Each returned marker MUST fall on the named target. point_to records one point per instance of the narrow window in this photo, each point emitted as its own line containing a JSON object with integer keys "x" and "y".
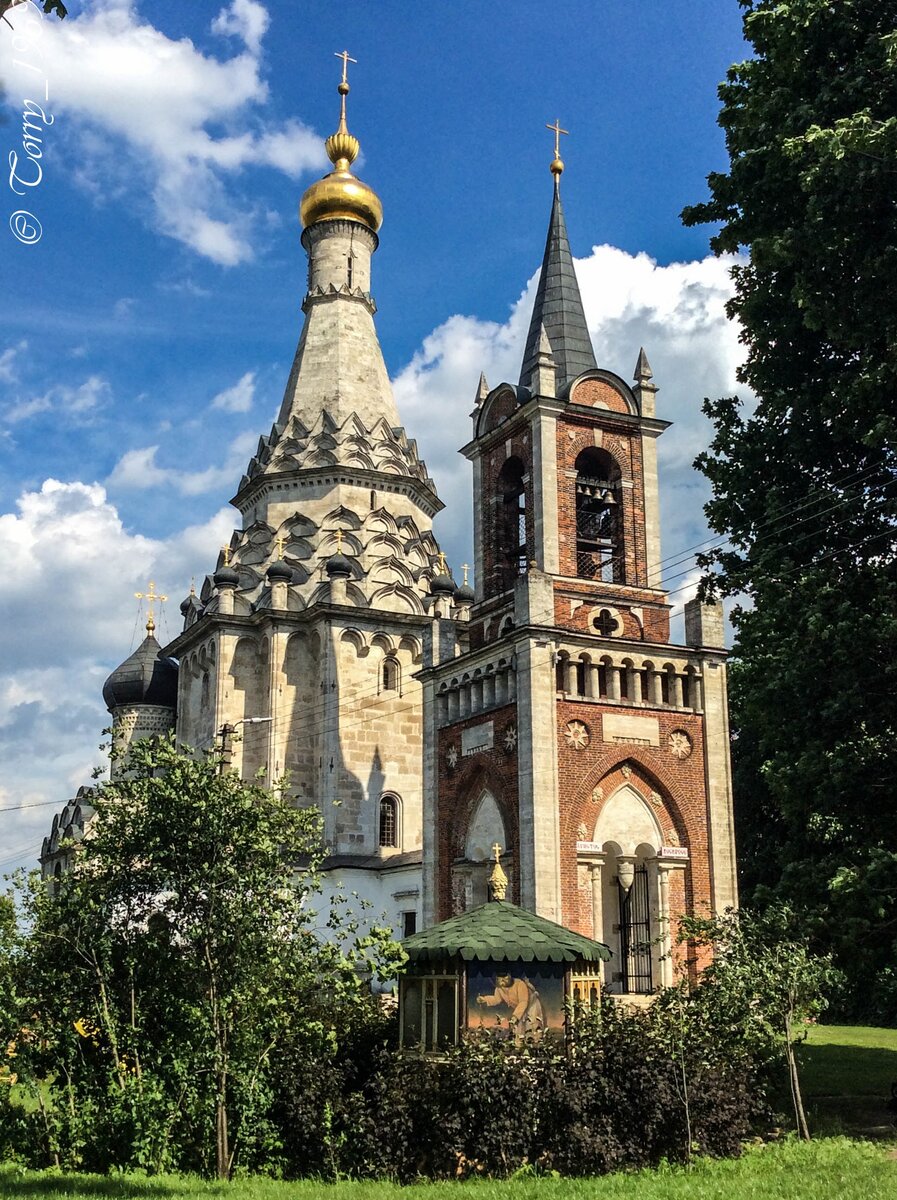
{"x": 389, "y": 678}
{"x": 409, "y": 924}
{"x": 599, "y": 541}
{"x": 389, "y": 822}
{"x": 350, "y": 270}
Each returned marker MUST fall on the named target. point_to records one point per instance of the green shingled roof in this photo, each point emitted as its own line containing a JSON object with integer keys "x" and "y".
{"x": 501, "y": 931}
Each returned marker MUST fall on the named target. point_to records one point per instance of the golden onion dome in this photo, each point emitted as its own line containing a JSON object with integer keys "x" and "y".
{"x": 341, "y": 195}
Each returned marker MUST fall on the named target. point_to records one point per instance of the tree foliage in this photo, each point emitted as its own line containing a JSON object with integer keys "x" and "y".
{"x": 764, "y": 982}
{"x": 804, "y": 485}
{"x": 148, "y": 999}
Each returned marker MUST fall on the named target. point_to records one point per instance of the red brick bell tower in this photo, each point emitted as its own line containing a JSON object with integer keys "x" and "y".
{"x": 569, "y": 730}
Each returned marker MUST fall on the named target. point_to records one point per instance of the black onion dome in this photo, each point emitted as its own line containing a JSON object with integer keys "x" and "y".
{"x": 280, "y": 570}
{"x": 144, "y": 678}
{"x": 226, "y": 576}
{"x": 464, "y": 594}
{"x": 338, "y": 564}
{"x": 442, "y": 584}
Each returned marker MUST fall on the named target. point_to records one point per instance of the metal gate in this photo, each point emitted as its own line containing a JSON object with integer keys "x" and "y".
{"x": 635, "y": 934}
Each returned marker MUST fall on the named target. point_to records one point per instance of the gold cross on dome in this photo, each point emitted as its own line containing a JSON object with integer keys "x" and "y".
{"x": 442, "y": 567}
{"x": 150, "y": 596}
{"x": 465, "y": 567}
{"x": 225, "y": 550}
{"x": 496, "y": 851}
{"x": 281, "y": 542}
{"x": 344, "y": 55}
{"x": 556, "y": 129}
{"x": 339, "y": 541}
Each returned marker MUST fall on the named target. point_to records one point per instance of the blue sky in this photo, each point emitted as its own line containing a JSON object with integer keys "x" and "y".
{"x": 148, "y": 333}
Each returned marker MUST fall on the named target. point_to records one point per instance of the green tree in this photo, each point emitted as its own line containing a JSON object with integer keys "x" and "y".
{"x": 803, "y": 486}
{"x": 162, "y": 979}
{"x": 763, "y": 984}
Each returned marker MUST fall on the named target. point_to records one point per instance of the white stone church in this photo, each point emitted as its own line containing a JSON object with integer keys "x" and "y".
{"x": 546, "y": 712}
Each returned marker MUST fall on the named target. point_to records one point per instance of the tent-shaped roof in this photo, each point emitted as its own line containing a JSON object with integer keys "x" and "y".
{"x": 500, "y": 931}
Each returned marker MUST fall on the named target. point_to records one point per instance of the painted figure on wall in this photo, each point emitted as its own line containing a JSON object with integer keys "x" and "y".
{"x": 520, "y": 996}
{"x": 515, "y": 999}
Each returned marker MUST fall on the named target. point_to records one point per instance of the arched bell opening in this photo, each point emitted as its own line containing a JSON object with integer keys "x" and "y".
{"x": 599, "y": 523}
{"x": 512, "y": 551}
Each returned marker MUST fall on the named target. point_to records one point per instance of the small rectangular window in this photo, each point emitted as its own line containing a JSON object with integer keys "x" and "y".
{"x": 409, "y": 924}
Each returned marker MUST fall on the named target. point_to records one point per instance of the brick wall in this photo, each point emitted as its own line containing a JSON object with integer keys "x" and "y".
{"x": 460, "y": 788}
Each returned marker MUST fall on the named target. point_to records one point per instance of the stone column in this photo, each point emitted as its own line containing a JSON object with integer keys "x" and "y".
{"x": 570, "y": 676}
{"x": 675, "y": 689}
{"x": 613, "y": 682}
{"x": 540, "y": 859}
{"x": 593, "y": 688}
{"x": 545, "y": 493}
{"x": 597, "y": 907}
{"x": 665, "y": 944}
{"x": 430, "y": 791}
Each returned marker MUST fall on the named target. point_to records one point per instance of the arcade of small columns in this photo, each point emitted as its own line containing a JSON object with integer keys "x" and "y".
{"x": 675, "y": 684}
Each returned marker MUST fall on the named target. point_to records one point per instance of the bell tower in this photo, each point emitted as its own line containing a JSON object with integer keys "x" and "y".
{"x": 593, "y": 748}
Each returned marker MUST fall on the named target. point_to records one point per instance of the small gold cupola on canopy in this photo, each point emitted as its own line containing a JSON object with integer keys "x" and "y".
{"x": 341, "y": 195}
{"x": 496, "y": 969}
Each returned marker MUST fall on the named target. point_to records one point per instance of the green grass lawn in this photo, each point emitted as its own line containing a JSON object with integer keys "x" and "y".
{"x": 846, "y": 1074}
{"x": 842, "y": 1169}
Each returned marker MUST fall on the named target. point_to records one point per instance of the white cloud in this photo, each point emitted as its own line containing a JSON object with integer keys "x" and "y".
{"x": 239, "y": 397}
{"x": 244, "y": 19}
{"x": 70, "y": 403}
{"x": 676, "y": 312}
{"x": 8, "y": 370}
{"x": 137, "y": 470}
{"x": 159, "y": 117}
{"x": 72, "y": 569}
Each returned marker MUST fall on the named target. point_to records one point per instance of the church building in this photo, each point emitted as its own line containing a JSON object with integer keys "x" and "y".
{"x": 543, "y": 715}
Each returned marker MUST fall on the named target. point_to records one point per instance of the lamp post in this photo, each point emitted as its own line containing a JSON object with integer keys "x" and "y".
{"x": 226, "y": 733}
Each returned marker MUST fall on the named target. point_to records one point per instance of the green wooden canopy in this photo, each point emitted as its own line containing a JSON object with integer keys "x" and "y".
{"x": 500, "y": 931}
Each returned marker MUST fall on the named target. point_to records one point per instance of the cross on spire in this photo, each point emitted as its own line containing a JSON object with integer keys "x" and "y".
{"x": 281, "y": 542}
{"x": 496, "y": 851}
{"x": 557, "y": 131}
{"x": 150, "y": 596}
{"x": 344, "y": 55}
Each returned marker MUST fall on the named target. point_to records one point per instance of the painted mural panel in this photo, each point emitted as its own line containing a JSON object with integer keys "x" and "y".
{"x": 515, "y": 999}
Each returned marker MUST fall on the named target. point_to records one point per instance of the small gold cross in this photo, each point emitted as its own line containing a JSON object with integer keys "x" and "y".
{"x": 281, "y": 542}
{"x": 150, "y": 596}
{"x": 496, "y": 851}
{"x": 339, "y": 541}
{"x": 346, "y": 60}
{"x": 556, "y": 129}
{"x": 442, "y": 567}
{"x": 225, "y": 550}
{"x": 465, "y": 567}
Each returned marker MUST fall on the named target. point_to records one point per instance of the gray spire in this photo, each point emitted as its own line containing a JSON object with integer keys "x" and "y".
{"x": 642, "y": 367}
{"x": 558, "y": 308}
